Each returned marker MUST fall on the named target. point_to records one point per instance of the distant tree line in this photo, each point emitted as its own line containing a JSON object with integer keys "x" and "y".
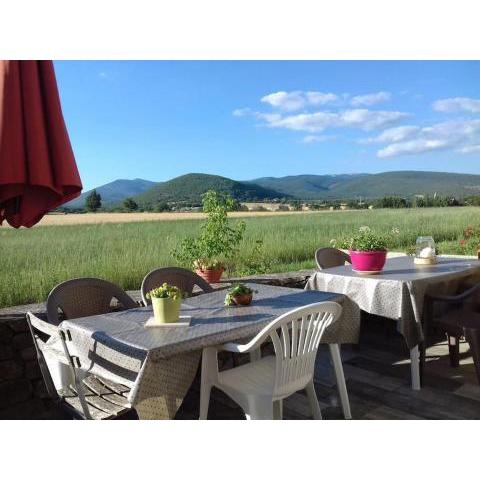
{"x": 424, "y": 201}
{"x": 93, "y": 203}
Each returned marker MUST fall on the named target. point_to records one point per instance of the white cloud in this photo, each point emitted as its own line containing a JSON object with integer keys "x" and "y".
{"x": 241, "y": 112}
{"x": 291, "y": 101}
{"x": 457, "y": 104}
{"x": 318, "y": 121}
{"x": 462, "y": 136}
{"x": 319, "y": 98}
{"x": 370, "y": 119}
{"x": 103, "y": 75}
{"x": 316, "y": 138}
{"x": 470, "y": 149}
{"x": 370, "y": 99}
{"x": 394, "y": 134}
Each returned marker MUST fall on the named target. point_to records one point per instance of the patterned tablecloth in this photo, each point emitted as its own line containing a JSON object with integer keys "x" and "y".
{"x": 398, "y": 291}
{"x": 160, "y": 363}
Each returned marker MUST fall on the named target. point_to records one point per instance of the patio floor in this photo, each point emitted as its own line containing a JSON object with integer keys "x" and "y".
{"x": 377, "y": 374}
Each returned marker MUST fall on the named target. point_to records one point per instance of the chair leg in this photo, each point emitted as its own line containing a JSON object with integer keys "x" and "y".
{"x": 260, "y": 408}
{"x": 454, "y": 350}
{"x": 255, "y": 355}
{"x": 473, "y": 338}
{"x": 209, "y": 372}
{"x": 415, "y": 367}
{"x": 313, "y": 400}
{"x": 340, "y": 377}
{"x": 278, "y": 410}
{"x": 205, "y": 390}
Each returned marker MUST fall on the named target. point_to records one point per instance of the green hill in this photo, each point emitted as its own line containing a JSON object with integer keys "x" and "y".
{"x": 306, "y": 187}
{"x": 403, "y": 184}
{"x": 114, "y": 192}
{"x": 189, "y": 188}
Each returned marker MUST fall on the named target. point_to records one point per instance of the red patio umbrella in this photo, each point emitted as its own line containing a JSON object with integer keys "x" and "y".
{"x": 37, "y": 166}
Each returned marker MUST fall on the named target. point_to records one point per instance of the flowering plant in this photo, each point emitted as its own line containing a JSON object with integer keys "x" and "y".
{"x": 165, "y": 291}
{"x": 364, "y": 241}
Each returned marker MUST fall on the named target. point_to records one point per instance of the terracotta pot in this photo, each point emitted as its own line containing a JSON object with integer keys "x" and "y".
{"x": 368, "y": 261}
{"x": 245, "y": 299}
{"x": 211, "y": 275}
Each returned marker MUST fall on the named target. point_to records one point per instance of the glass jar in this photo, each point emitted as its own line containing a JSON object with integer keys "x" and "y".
{"x": 425, "y": 248}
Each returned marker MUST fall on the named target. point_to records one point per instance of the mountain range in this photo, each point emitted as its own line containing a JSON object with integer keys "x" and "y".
{"x": 189, "y": 188}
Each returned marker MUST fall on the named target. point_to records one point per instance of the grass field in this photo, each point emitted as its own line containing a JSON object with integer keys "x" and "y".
{"x": 33, "y": 261}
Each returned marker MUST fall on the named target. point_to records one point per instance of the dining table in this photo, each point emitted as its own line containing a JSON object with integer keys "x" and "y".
{"x": 397, "y": 292}
{"x": 159, "y": 363}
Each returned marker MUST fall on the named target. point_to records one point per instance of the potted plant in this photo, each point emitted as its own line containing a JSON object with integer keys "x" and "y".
{"x": 209, "y": 270}
{"x": 239, "y": 294}
{"x": 166, "y": 302}
{"x": 368, "y": 251}
{"x": 217, "y": 240}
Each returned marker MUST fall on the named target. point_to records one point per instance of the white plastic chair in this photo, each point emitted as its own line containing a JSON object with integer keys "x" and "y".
{"x": 74, "y": 389}
{"x": 260, "y": 386}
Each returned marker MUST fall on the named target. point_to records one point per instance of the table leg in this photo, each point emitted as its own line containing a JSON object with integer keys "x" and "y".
{"x": 415, "y": 367}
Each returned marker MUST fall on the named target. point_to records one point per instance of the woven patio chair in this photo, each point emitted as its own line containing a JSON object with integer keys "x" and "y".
{"x": 260, "y": 386}
{"x": 184, "y": 279}
{"x": 331, "y": 257}
{"x": 79, "y": 394}
{"x": 458, "y": 316}
{"x": 83, "y": 297}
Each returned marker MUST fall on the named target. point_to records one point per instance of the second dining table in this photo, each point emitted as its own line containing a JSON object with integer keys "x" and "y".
{"x": 159, "y": 364}
{"x": 398, "y": 292}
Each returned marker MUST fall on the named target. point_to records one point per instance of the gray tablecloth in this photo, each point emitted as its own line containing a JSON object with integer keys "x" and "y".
{"x": 159, "y": 364}
{"x": 398, "y": 291}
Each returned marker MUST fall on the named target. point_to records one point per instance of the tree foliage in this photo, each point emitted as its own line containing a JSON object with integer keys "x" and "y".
{"x": 93, "y": 201}
{"x": 218, "y": 239}
{"x": 130, "y": 204}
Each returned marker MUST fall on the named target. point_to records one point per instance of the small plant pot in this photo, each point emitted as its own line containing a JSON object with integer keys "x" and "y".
{"x": 368, "y": 262}
{"x": 245, "y": 299}
{"x": 211, "y": 275}
{"x": 166, "y": 310}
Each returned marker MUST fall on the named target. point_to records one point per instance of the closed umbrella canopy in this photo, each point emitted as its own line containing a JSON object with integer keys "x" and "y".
{"x": 37, "y": 166}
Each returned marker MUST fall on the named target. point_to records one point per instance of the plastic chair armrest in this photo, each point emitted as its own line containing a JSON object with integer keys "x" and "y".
{"x": 452, "y": 298}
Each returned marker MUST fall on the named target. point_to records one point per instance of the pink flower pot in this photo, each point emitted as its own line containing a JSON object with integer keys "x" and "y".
{"x": 368, "y": 261}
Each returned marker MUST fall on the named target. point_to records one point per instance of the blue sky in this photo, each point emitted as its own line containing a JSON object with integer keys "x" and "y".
{"x": 160, "y": 119}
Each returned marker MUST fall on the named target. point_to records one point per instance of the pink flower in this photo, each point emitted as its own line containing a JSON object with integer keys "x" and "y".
{"x": 462, "y": 242}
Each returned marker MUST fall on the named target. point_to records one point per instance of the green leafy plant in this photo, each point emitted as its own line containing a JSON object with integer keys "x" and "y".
{"x": 237, "y": 290}
{"x": 218, "y": 239}
{"x": 411, "y": 250}
{"x": 363, "y": 241}
{"x": 256, "y": 263}
{"x": 165, "y": 291}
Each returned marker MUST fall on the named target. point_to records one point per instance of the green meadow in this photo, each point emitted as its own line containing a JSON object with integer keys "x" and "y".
{"x": 33, "y": 261}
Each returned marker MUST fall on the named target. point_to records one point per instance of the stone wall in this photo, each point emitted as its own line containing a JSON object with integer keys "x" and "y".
{"x": 22, "y": 391}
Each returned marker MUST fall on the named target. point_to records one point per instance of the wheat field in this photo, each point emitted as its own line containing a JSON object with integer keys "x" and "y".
{"x": 60, "y": 219}
{"x": 34, "y": 260}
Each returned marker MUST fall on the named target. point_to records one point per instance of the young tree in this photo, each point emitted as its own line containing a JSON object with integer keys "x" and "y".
{"x": 130, "y": 204}
{"x": 93, "y": 201}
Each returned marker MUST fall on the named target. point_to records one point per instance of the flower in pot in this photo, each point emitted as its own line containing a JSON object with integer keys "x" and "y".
{"x": 209, "y": 270}
{"x": 368, "y": 251}
{"x": 166, "y": 302}
{"x": 239, "y": 294}
{"x": 217, "y": 241}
